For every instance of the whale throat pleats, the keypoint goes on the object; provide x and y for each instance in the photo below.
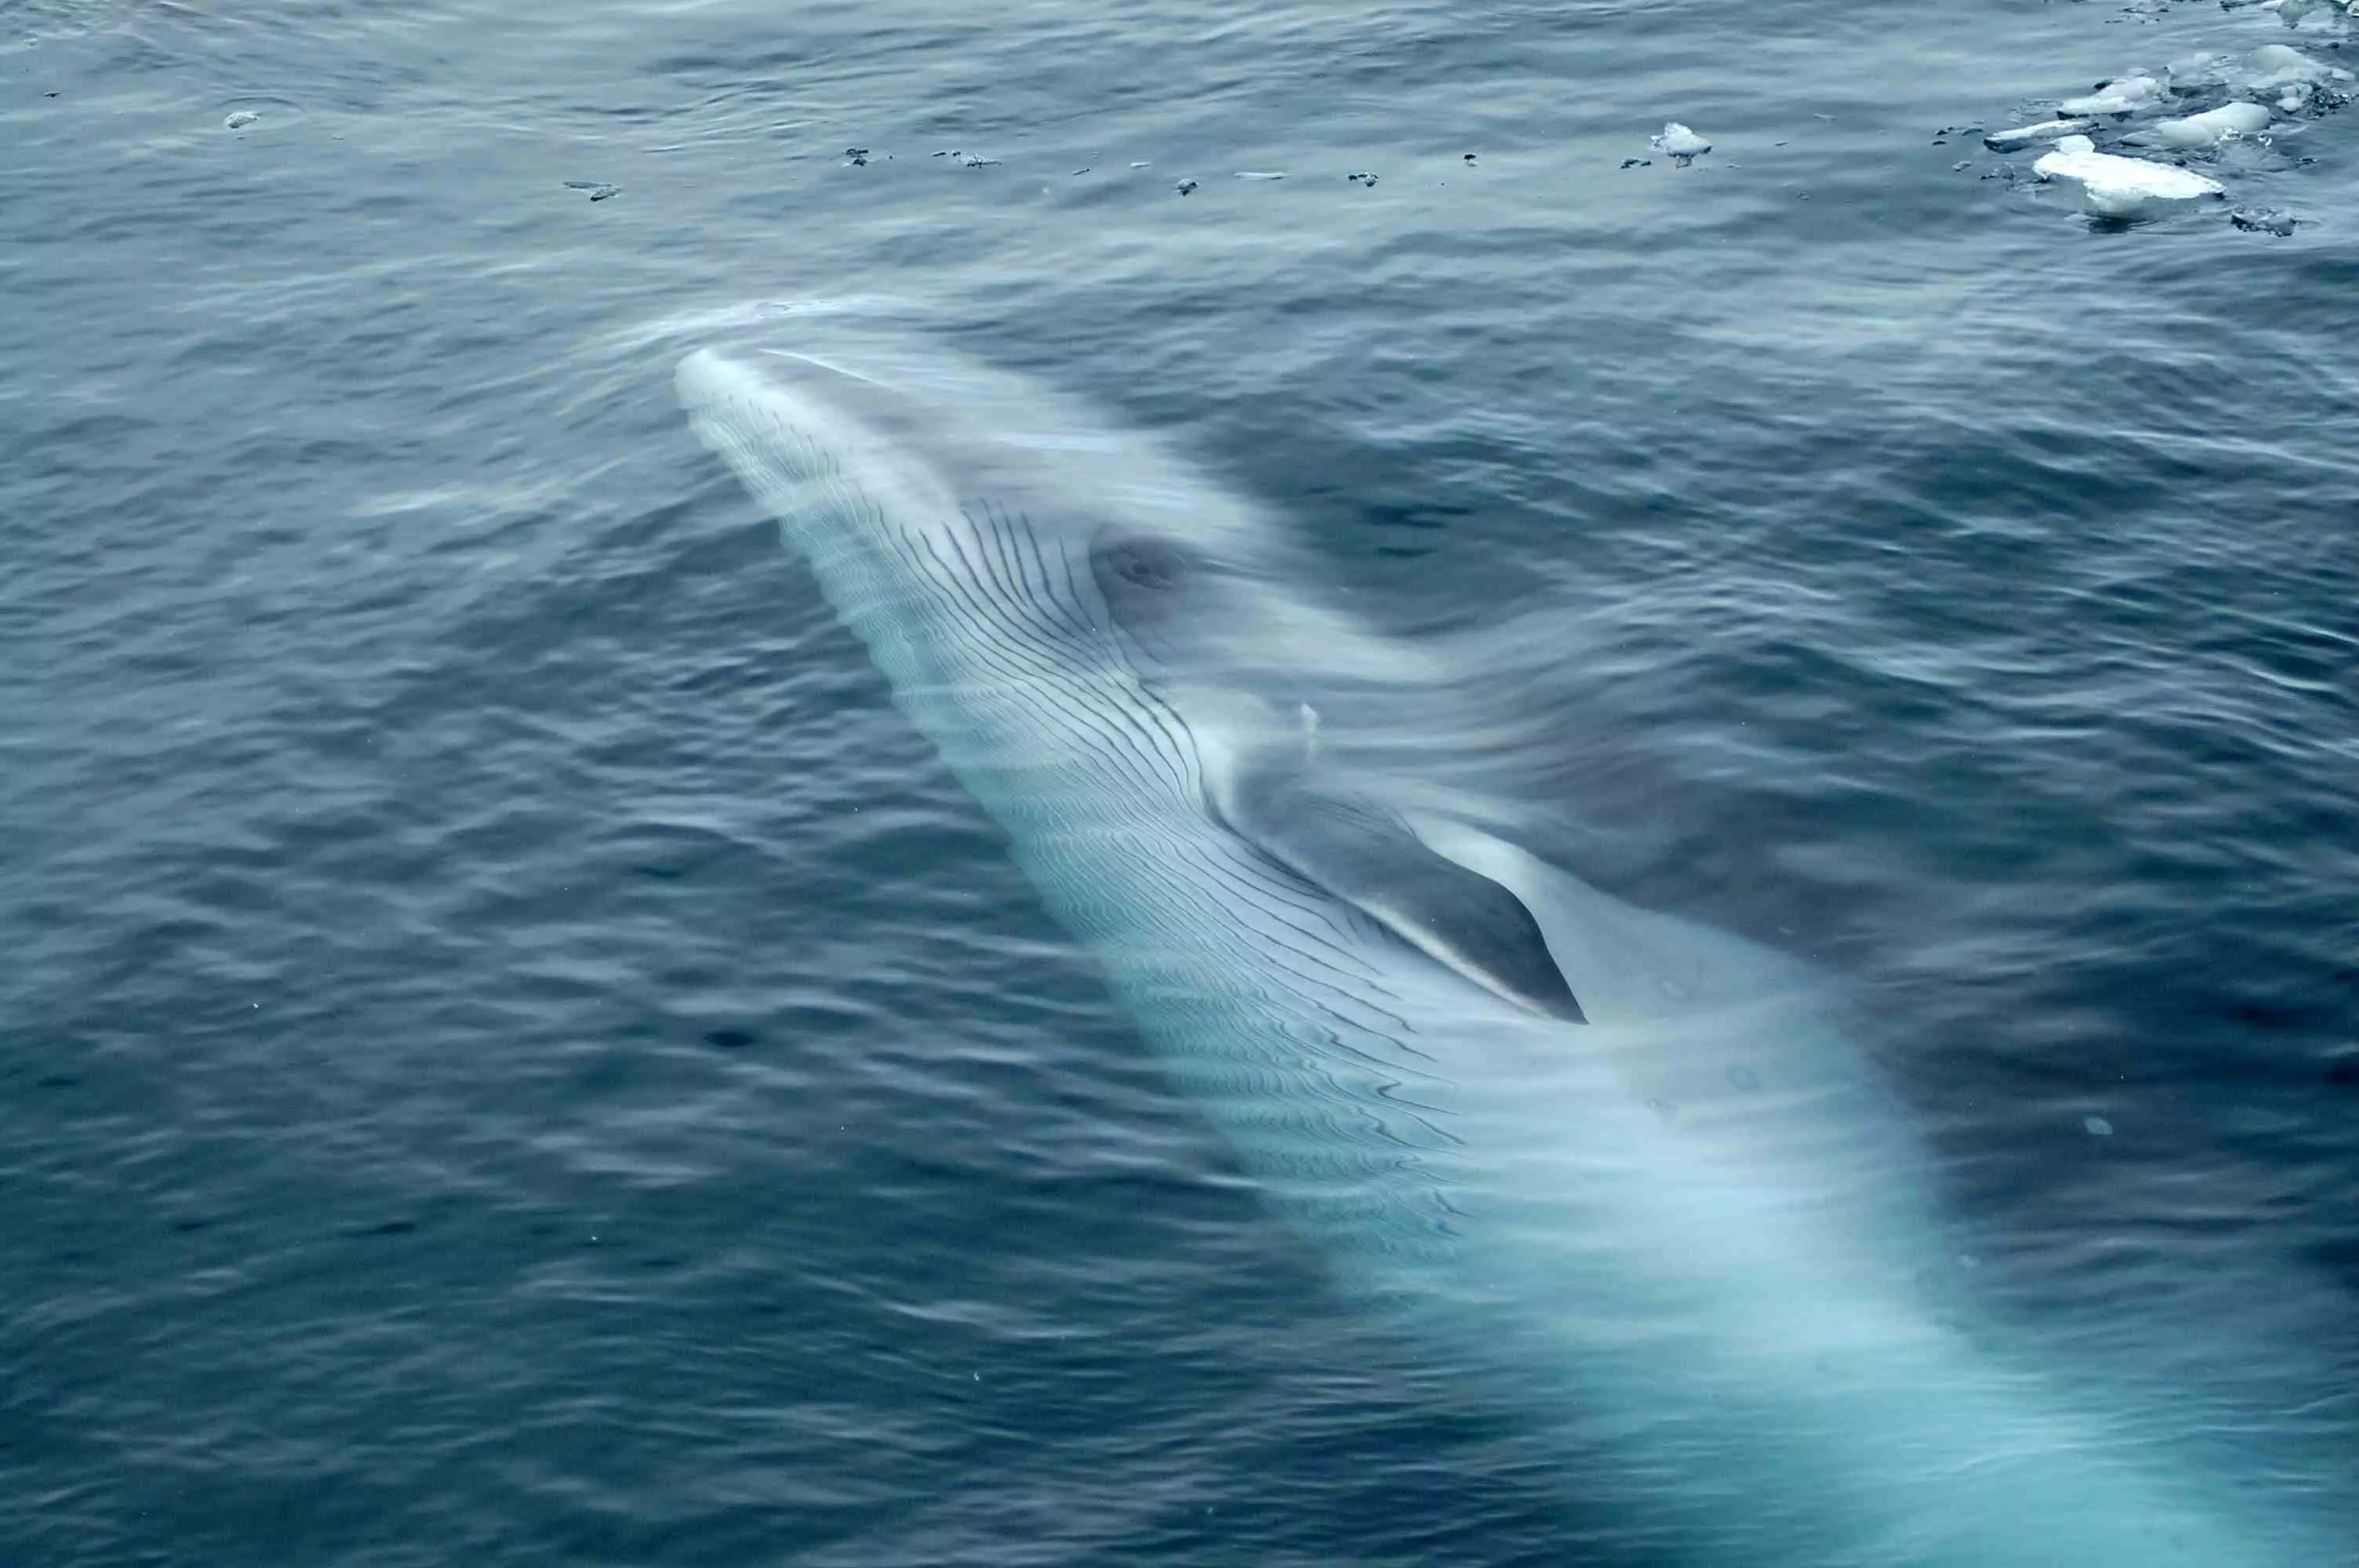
(1371, 859)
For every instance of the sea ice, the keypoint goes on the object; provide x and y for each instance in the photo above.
(2116, 187)
(1679, 142)
(2282, 65)
(2193, 132)
(2122, 95)
(2293, 12)
(2008, 141)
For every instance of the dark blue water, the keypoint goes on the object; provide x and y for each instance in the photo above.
(515, 1052)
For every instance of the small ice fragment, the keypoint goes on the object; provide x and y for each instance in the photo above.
(1140, 163)
(1638, 163)
(976, 160)
(240, 120)
(2262, 220)
(598, 188)
(1082, 170)
(603, 191)
(1962, 165)
(2193, 132)
(2027, 136)
(2122, 95)
(2098, 1127)
(2116, 187)
(1185, 186)
(1261, 174)
(1678, 141)
(1363, 178)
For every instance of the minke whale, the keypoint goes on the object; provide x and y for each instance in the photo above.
(1625, 1171)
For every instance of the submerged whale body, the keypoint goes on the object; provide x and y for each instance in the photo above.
(1622, 1170)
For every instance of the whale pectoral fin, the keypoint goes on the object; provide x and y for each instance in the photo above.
(1371, 859)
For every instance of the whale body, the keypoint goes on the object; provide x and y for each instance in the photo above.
(1625, 1171)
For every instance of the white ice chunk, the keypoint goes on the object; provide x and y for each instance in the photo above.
(2292, 12)
(2193, 73)
(2208, 129)
(2025, 135)
(2118, 186)
(2274, 66)
(2122, 95)
(1678, 141)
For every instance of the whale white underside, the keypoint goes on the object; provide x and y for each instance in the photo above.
(1687, 1241)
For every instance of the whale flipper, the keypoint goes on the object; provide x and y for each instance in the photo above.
(1372, 859)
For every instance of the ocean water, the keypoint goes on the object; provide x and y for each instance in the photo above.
(513, 1051)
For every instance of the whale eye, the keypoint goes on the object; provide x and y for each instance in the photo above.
(1149, 564)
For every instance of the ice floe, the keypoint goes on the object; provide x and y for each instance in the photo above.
(2293, 13)
(1679, 142)
(2292, 79)
(2124, 187)
(2203, 122)
(2021, 136)
(2193, 133)
(2122, 95)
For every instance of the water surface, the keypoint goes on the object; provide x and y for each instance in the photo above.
(516, 1053)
